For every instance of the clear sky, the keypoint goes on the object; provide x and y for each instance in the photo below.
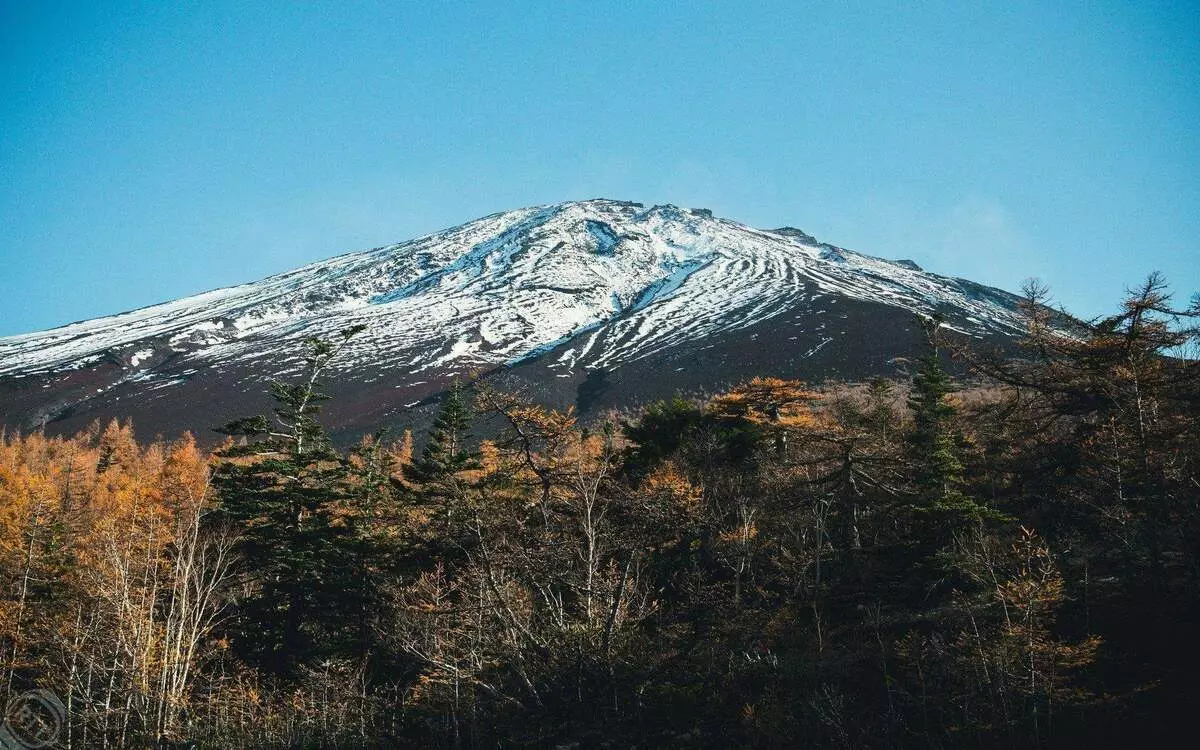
(153, 150)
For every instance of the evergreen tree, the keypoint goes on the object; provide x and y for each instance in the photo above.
(285, 489)
(660, 432)
(447, 454)
(938, 471)
(447, 449)
(879, 416)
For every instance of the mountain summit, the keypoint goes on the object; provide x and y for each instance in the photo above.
(583, 301)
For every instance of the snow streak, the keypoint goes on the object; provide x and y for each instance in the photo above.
(618, 280)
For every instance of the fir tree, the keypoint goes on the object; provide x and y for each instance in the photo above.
(879, 416)
(938, 471)
(286, 490)
(447, 450)
(446, 455)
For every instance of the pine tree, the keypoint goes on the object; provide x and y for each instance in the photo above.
(447, 454)
(447, 449)
(938, 471)
(879, 415)
(285, 489)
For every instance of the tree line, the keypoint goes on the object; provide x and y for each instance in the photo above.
(1006, 560)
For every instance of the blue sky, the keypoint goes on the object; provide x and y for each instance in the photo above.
(153, 150)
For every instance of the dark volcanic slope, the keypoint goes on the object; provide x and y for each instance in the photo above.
(599, 303)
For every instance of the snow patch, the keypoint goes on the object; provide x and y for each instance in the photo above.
(616, 280)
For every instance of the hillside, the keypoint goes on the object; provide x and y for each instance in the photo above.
(595, 303)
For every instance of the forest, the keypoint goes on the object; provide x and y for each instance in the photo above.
(1000, 549)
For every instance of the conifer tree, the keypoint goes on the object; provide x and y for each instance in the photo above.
(446, 455)
(879, 416)
(447, 450)
(285, 489)
(938, 471)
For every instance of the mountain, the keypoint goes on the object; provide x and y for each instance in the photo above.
(597, 302)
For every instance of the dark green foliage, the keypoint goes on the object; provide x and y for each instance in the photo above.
(304, 553)
(938, 472)
(447, 454)
(303, 560)
(448, 449)
(246, 427)
(660, 431)
(666, 428)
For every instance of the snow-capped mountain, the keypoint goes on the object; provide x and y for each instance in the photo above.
(568, 292)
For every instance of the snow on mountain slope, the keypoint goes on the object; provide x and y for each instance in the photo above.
(617, 280)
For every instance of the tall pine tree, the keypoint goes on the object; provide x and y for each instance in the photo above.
(447, 454)
(286, 490)
(447, 450)
(938, 471)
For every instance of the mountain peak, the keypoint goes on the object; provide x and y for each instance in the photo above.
(595, 285)
(796, 234)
